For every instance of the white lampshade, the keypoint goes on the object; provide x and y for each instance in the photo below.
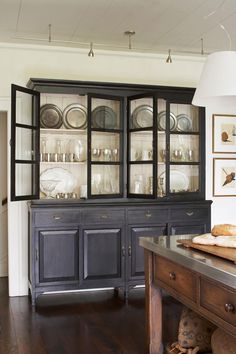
(218, 80)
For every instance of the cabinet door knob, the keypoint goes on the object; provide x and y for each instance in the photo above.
(229, 307)
(123, 251)
(56, 217)
(129, 251)
(172, 275)
(189, 213)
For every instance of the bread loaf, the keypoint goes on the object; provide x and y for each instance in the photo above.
(224, 230)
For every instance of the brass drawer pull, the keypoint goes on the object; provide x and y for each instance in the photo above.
(229, 307)
(148, 214)
(172, 275)
(56, 217)
(189, 213)
(104, 216)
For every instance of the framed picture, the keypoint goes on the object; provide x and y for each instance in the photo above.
(224, 133)
(224, 172)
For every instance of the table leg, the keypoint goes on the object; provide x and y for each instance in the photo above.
(153, 308)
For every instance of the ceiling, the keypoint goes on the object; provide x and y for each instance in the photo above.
(159, 25)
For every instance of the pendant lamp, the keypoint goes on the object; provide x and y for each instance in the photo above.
(218, 80)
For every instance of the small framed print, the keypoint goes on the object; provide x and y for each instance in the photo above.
(224, 172)
(224, 133)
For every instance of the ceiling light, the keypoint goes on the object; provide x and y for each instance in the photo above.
(202, 49)
(130, 34)
(49, 33)
(218, 80)
(169, 59)
(91, 52)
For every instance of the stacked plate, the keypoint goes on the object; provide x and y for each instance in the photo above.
(104, 117)
(142, 116)
(50, 116)
(161, 121)
(74, 116)
(181, 123)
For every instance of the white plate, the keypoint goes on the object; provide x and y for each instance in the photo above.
(179, 182)
(56, 180)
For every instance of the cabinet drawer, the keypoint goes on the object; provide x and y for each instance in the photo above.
(176, 277)
(188, 214)
(147, 215)
(57, 217)
(219, 300)
(104, 216)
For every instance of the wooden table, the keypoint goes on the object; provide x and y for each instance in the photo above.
(204, 283)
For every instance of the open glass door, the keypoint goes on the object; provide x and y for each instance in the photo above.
(142, 142)
(105, 146)
(24, 144)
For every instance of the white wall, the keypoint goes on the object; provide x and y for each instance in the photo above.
(223, 208)
(19, 63)
(3, 194)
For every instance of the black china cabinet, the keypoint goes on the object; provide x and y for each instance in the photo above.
(104, 164)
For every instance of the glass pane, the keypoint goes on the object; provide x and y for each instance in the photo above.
(25, 144)
(105, 179)
(141, 144)
(141, 113)
(105, 147)
(105, 113)
(161, 115)
(184, 148)
(141, 179)
(161, 173)
(184, 179)
(25, 174)
(25, 108)
(184, 118)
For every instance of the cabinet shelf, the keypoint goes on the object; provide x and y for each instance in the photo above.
(105, 163)
(63, 163)
(184, 133)
(180, 163)
(63, 131)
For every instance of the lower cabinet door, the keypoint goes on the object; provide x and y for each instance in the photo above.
(57, 256)
(103, 257)
(135, 252)
(181, 229)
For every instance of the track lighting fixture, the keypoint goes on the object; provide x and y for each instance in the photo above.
(49, 33)
(202, 49)
(91, 52)
(130, 34)
(169, 59)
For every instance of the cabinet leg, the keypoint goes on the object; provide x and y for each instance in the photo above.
(32, 297)
(116, 292)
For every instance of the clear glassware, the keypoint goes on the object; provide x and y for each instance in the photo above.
(77, 148)
(138, 184)
(58, 146)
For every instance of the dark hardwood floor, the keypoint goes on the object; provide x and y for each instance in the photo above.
(86, 323)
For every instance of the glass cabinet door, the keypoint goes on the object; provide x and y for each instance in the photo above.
(164, 148)
(105, 146)
(184, 149)
(24, 144)
(141, 147)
